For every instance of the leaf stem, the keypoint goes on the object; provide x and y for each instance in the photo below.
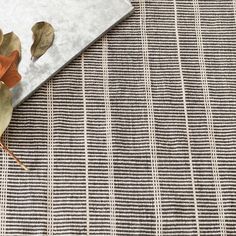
(5, 148)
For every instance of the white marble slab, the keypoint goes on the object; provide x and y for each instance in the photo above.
(77, 23)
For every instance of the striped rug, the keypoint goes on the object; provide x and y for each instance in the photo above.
(135, 137)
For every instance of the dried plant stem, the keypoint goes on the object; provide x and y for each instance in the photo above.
(5, 148)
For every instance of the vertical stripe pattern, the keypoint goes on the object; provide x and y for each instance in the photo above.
(111, 182)
(85, 145)
(50, 171)
(3, 199)
(209, 116)
(234, 6)
(186, 118)
(151, 119)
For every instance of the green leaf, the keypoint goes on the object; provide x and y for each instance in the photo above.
(10, 43)
(1, 37)
(6, 108)
(43, 35)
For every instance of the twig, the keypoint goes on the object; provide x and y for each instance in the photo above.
(5, 148)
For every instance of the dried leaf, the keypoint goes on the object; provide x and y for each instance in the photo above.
(8, 69)
(1, 37)
(43, 35)
(6, 110)
(5, 107)
(10, 43)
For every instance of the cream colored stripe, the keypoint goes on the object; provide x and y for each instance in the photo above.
(50, 187)
(209, 116)
(151, 120)
(234, 4)
(85, 145)
(4, 179)
(186, 120)
(111, 180)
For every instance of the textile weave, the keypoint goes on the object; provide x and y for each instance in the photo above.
(135, 137)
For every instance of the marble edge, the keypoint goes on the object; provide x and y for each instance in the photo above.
(129, 12)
